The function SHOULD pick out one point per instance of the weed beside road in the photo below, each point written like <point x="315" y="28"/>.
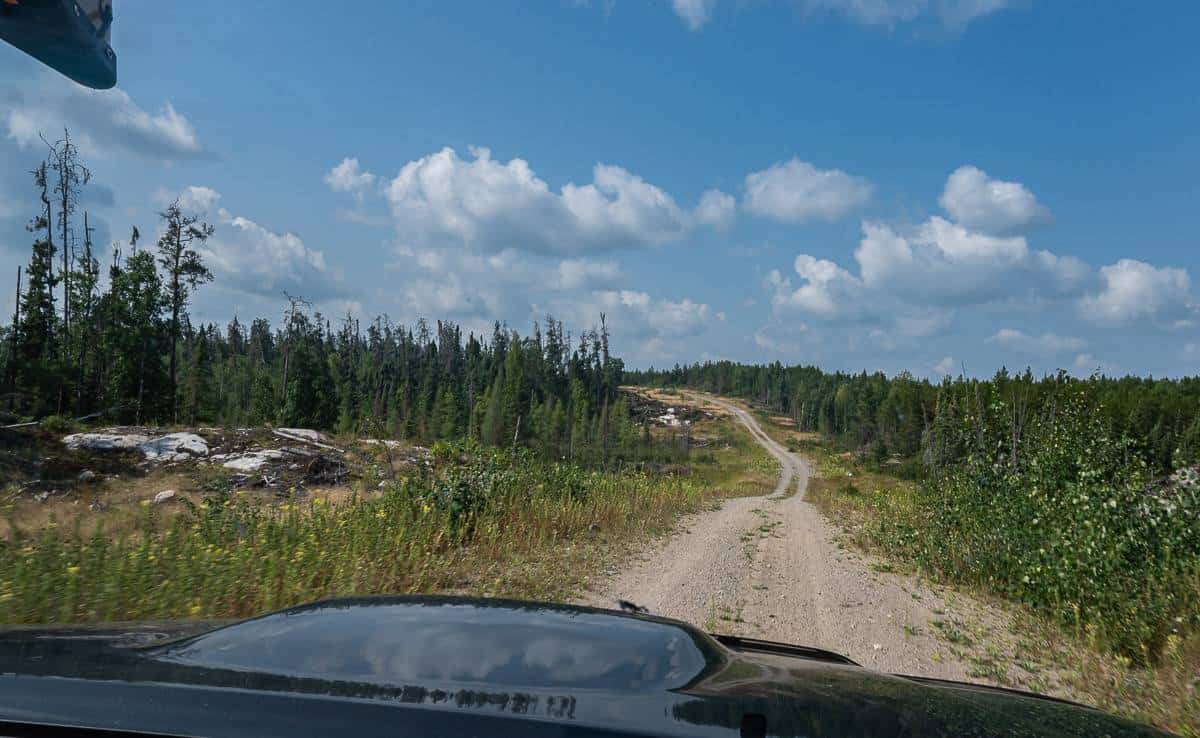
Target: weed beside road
<point x="491" y="522"/>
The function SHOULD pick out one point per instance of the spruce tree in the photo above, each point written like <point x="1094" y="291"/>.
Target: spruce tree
<point x="37" y="373"/>
<point x="185" y="271"/>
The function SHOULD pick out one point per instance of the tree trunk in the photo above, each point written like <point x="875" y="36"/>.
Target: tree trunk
<point x="12" y="356"/>
<point x="141" y="380"/>
<point x="66" y="272"/>
<point x="175" y="300"/>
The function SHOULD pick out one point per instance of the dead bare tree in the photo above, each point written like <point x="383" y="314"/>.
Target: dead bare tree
<point x="295" y="303"/>
<point x="71" y="175"/>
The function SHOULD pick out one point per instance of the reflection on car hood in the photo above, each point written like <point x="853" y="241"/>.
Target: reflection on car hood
<point x="422" y="665"/>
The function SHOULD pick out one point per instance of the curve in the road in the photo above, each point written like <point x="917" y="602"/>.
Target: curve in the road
<point x="770" y="567"/>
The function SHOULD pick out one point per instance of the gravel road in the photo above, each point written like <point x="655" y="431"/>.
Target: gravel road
<point x="770" y="567"/>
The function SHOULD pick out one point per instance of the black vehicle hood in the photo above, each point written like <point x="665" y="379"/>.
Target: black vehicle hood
<point x="457" y="666"/>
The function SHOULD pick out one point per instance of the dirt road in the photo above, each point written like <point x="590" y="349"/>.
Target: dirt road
<point x="770" y="567"/>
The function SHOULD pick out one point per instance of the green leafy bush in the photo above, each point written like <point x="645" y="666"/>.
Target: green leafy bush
<point x="58" y="424"/>
<point x="1071" y="523"/>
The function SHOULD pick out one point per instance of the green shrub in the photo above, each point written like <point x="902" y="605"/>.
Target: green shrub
<point x="58" y="424"/>
<point x="1076" y="528"/>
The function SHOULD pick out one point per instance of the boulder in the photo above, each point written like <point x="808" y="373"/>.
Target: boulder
<point x="175" y="447"/>
<point x="252" y="460"/>
<point x="105" y="441"/>
<point x="165" y="496"/>
<point x="85" y="476"/>
<point x="171" y="447"/>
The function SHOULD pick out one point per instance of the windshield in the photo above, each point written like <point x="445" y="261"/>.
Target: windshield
<point x="861" y="326"/>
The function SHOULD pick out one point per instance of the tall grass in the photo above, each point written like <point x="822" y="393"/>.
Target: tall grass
<point x="492" y="522"/>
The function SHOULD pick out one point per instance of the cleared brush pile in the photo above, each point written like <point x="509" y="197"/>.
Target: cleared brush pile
<point x="487" y="522"/>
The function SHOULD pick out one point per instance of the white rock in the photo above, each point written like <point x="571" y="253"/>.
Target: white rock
<point x="390" y="443"/>
<point x="305" y="433"/>
<point x="165" y="496"/>
<point x="105" y="441"/>
<point x="669" y="419"/>
<point x="171" y="447"/>
<point x="252" y="460"/>
<point x="175" y="447"/>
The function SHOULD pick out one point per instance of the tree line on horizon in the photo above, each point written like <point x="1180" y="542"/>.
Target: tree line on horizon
<point x="908" y="417"/>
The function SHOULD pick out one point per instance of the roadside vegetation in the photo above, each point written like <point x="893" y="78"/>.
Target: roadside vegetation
<point x="1032" y="491"/>
<point x="488" y="521"/>
<point x="475" y="520"/>
<point x="882" y="514"/>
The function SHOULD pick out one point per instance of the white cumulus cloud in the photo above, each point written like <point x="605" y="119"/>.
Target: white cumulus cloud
<point x="247" y="257"/>
<point x="349" y="177"/>
<point x="194" y="199"/>
<point x="795" y="191"/>
<point x="938" y="263"/>
<point x="715" y="209"/>
<point x="943" y="262"/>
<point x="975" y="200"/>
<point x="641" y="315"/>
<point x="827" y="290"/>
<point x="443" y="199"/>
<point x="1134" y="290"/>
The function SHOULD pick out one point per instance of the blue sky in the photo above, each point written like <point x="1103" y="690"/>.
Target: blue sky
<point x="922" y="185"/>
